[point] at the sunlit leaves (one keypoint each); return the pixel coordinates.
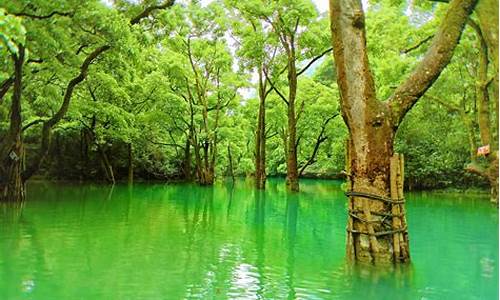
(12, 33)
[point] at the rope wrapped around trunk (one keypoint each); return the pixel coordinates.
(375, 197)
(354, 213)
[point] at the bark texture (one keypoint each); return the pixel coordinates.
(11, 148)
(260, 136)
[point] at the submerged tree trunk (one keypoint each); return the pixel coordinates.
(11, 148)
(372, 125)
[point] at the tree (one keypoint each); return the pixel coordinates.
(289, 21)
(205, 80)
(258, 51)
(13, 177)
(373, 124)
(474, 107)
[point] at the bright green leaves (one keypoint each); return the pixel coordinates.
(12, 33)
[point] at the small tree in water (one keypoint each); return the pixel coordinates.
(373, 123)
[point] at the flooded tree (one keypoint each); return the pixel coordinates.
(373, 123)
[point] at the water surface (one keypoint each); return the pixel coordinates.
(155, 241)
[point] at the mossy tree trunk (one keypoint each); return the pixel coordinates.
(487, 12)
(292, 173)
(488, 130)
(11, 148)
(372, 123)
(260, 136)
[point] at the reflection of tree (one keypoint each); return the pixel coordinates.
(290, 232)
(230, 191)
(259, 225)
(208, 222)
(10, 212)
(200, 201)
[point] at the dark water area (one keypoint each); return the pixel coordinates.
(182, 241)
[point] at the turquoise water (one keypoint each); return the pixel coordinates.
(154, 241)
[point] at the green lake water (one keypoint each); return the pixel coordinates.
(156, 241)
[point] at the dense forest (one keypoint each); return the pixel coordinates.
(207, 90)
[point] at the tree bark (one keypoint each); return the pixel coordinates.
(230, 157)
(130, 173)
(11, 148)
(292, 174)
(260, 136)
(319, 140)
(5, 86)
(372, 124)
(484, 108)
(186, 165)
(106, 165)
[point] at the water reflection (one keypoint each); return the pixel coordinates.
(290, 233)
(184, 241)
(259, 227)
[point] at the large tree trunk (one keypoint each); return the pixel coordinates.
(371, 223)
(11, 148)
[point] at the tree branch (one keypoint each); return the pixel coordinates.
(275, 89)
(41, 17)
(477, 169)
(319, 140)
(4, 87)
(416, 46)
(147, 11)
(435, 60)
(451, 107)
(314, 60)
(50, 123)
(32, 123)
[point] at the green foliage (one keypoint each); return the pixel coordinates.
(189, 76)
(12, 33)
